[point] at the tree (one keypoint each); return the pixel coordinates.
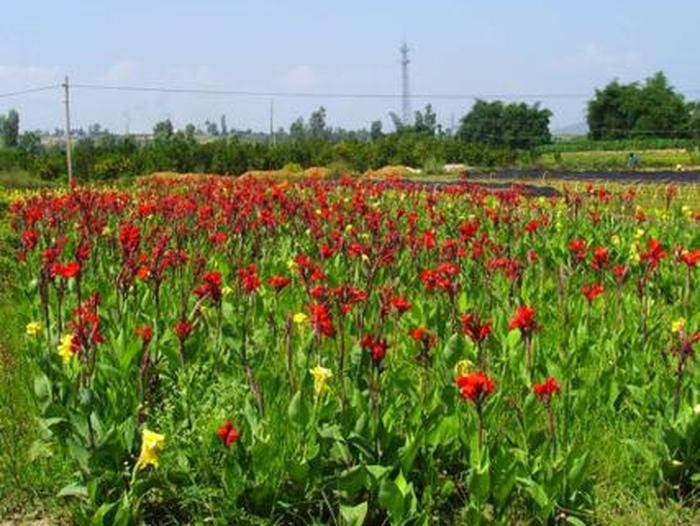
(425, 123)
(297, 130)
(317, 123)
(399, 125)
(211, 128)
(375, 130)
(163, 130)
(620, 111)
(9, 128)
(695, 119)
(515, 125)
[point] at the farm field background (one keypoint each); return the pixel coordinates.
(342, 352)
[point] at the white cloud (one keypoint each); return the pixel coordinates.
(28, 76)
(301, 76)
(122, 71)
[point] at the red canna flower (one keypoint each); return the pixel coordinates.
(228, 433)
(546, 389)
(183, 329)
(145, 333)
(591, 292)
(524, 319)
(690, 257)
(401, 304)
(211, 288)
(654, 254)
(249, 277)
(620, 272)
(418, 333)
(578, 248)
(69, 270)
(278, 282)
(376, 346)
(320, 319)
(473, 327)
(600, 258)
(475, 386)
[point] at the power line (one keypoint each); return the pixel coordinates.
(29, 90)
(337, 95)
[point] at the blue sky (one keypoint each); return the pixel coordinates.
(475, 47)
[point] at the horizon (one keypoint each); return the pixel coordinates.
(311, 47)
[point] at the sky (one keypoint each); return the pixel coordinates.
(485, 47)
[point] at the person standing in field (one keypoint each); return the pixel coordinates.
(632, 161)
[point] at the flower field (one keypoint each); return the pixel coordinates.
(346, 352)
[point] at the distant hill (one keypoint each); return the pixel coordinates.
(578, 128)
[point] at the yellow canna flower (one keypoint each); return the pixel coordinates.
(615, 239)
(348, 227)
(226, 291)
(151, 444)
(34, 328)
(300, 318)
(292, 265)
(463, 367)
(640, 231)
(678, 324)
(321, 376)
(65, 348)
(106, 230)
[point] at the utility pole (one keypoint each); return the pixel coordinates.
(272, 122)
(405, 91)
(69, 144)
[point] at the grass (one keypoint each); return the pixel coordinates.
(30, 476)
(22, 180)
(599, 159)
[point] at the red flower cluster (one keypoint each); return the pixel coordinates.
(578, 248)
(321, 320)
(401, 304)
(442, 277)
(249, 278)
(183, 329)
(654, 253)
(475, 386)
(69, 270)
(278, 282)
(600, 258)
(211, 288)
(145, 333)
(546, 389)
(86, 325)
(473, 327)
(228, 433)
(524, 319)
(376, 346)
(592, 291)
(423, 336)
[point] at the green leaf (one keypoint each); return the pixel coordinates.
(298, 410)
(391, 499)
(377, 471)
(101, 513)
(353, 515)
(73, 490)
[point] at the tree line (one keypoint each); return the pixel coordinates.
(492, 133)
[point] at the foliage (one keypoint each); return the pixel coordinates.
(621, 111)
(514, 125)
(9, 128)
